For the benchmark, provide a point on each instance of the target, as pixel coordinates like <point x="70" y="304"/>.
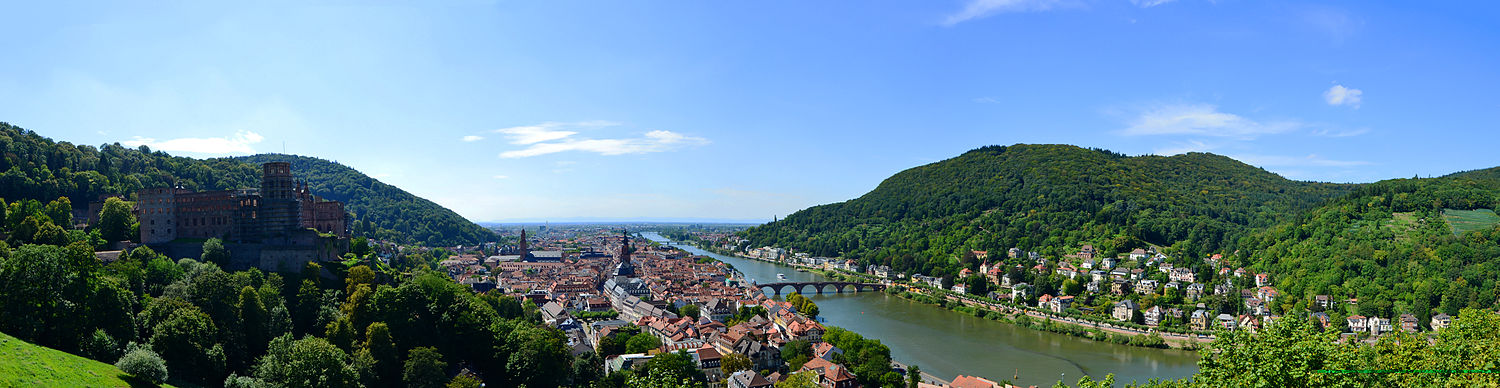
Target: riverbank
<point x="948" y="344"/>
<point x="1021" y="316"/>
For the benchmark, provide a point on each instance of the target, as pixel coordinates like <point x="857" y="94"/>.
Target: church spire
<point x="524" y="253"/>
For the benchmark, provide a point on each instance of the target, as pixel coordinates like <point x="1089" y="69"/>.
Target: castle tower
<point x="279" y="207"/>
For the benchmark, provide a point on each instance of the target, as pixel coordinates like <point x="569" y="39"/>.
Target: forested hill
<point x="1418" y="246"/>
<point x="380" y="210"/>
<point x="36" y="167"/>
<point x="1049" y="198"/>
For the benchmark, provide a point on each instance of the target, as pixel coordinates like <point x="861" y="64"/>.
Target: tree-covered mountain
<point x="1418" y="246"/>
<point x="1048" y="198"/>
<point x="380" y="210"/>
<point x="38" y="168"/>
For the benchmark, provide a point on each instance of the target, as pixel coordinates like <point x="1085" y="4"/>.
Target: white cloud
<point x="976" y="9"/>
<point x="1295" y="161"/>
<point x="501" y="177"/>
<point x="987" y="100"/>
<point x="240" y="143"/>
<point x="1149" y="3"/>
<point x="473" y="138"/>
<point x="1340" y="95"/>
<point x="547" y="138"/>
<point x="1202" y="120"/>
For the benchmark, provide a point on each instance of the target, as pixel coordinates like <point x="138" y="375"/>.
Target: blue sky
<point x="509" y="111"/>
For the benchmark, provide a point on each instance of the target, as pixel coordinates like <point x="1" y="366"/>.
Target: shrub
<point x="144" y="364"/>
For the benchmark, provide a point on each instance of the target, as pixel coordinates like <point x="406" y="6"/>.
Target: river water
<point x="946" y="343"/>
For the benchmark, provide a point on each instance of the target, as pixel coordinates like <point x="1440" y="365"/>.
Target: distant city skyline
<point x="528" y="112"/>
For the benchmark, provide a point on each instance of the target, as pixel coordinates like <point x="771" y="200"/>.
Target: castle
<point x="275" y="225"/>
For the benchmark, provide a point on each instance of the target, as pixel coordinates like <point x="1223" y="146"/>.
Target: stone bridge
<point x="821" y="287"/>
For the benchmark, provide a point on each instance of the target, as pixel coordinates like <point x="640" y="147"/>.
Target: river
<point x="946" y="343"/>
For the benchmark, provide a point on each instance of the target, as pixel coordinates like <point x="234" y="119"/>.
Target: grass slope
<point x="24" y="364"/>
<point x="1465" y="221"/>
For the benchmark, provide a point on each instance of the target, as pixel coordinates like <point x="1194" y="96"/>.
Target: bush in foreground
<point x="144" y="364"/>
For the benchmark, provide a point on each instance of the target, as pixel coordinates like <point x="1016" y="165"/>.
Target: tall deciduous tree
<point x="116" y="220"/>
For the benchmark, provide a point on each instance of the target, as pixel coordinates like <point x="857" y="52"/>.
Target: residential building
<point x="1125" y="310"/>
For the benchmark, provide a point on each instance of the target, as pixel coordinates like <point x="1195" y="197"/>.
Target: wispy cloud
<point x="501" y="176"/>
<point x="550" y="138"/>
<point x="1332" y="132"/>
<point x="1310" y="160"/>
<point x="472" y="138"/>
<point x="1149" y="3"/>
<point x="1340" y="95"/>
<point x="987" y="100"/>
<point x="240" y="143"/>
<point x="976" y="9"/>
<point x="1202" y="120"/>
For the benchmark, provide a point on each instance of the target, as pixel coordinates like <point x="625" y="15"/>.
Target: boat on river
<point x="781" y="276"/>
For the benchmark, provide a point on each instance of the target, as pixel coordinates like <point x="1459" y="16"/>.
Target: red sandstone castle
<point x="277" y="211"/>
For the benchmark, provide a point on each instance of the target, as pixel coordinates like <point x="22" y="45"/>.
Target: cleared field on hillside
<point x="1464" y="221"/>
<point x="23" y="364"/>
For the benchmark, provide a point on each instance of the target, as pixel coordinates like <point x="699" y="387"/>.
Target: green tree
<point x="255" y="321"/>
<point x="804" y="379"/>
<point x="310" y="362"/>
<point x="424" y="368"/>
<point x="60" y="211"/>
<point x="215" y="252"/>
<point x="690" y="311"/>
<point x="642" y="343"/>
<point x="186" y="340"/>
<point x="464" y="381"/>
<point x="116" y="220"/>
<point x="735" y="362"/>
<point x="382" y="351"/>
<point x="144" y="364"/>
<point x="913" y="376"/>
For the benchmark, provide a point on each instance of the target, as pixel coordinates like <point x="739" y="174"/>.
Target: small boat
<point x="802" y="270"/>
<point x="781" y="276"/>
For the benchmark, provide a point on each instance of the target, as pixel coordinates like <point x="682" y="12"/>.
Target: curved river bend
<point x="945" y="343"/>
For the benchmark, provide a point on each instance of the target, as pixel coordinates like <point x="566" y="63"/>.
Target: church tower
<point x="524" y="252"/>
<point x="626" y="268"/>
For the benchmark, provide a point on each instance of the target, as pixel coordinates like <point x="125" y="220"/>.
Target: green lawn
<point x="1464" y="221"/>
<point x="26" y="365"/>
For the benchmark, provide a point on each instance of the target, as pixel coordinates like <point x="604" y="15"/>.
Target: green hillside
<point x="1390" y="245"/>
<point x="1049" y="198"/>
<point x="36" y="167"/>
<point x="25" y="364"/>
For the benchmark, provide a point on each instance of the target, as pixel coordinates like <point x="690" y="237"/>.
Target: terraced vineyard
<point x="1465" y="221"/>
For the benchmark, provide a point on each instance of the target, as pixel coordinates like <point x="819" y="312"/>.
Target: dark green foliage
<point x="186" y="340"/>
<point x="1052" y="198"/>
<point x="214" y="252"/>
<point x="310" y="362"/>
<point x="867" y="358"/>
<point x="424" y="368"/>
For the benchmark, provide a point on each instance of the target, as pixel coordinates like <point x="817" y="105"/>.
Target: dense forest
<point x="1389" y="245"/>
<point x="38" y="168"/>
<point x="1047" y="198"/>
